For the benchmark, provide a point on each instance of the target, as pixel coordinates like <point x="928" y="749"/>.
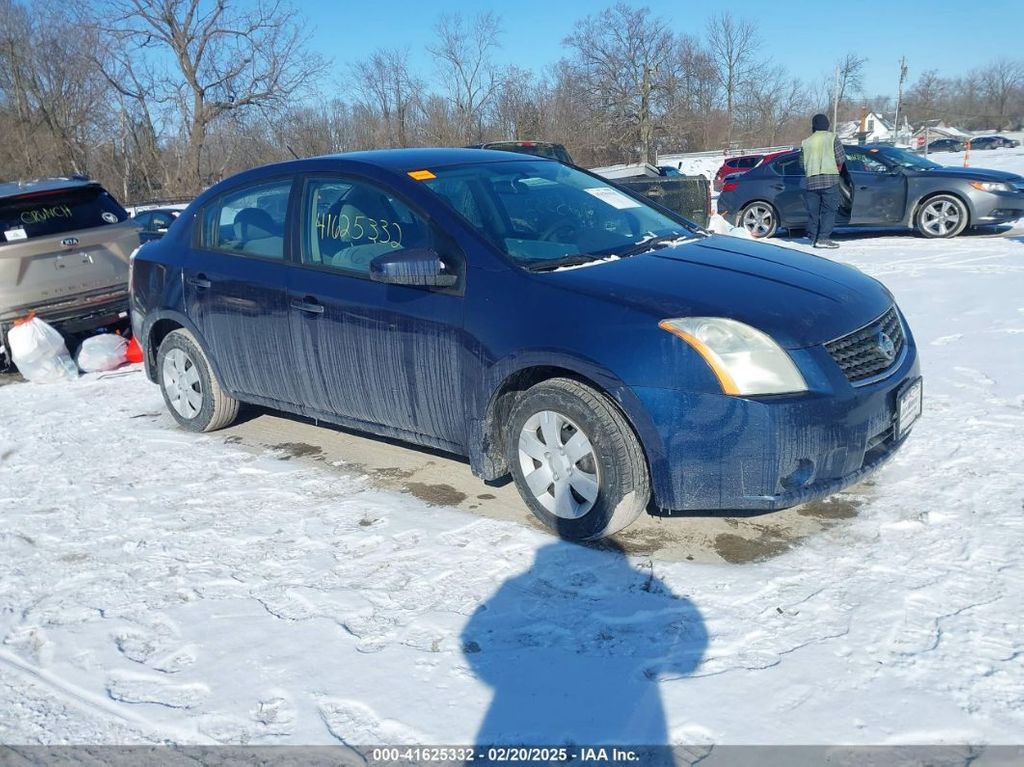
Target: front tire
<point x="941" y="216"/>
<point x="191" y="391"/>
<point x="575" y="460"/>
<point x="759" y="219"/>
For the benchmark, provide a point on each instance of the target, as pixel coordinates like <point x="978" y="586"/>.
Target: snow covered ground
<point x="161" y="586"/>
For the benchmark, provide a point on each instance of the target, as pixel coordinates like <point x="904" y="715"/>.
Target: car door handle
<point x="308" y="305"/>
<point x="200" y="281"/>
<point x="779" y="187"/>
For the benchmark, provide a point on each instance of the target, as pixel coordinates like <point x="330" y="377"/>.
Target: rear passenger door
<point x="235" y="290"/>
<point x="789" y="188"/>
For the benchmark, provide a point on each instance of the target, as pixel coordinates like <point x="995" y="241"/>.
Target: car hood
<point x="971" y="174"/>
<point x="798" y="299"/>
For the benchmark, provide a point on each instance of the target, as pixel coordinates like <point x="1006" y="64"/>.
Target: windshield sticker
<point x="421" y="175"/>
<point x="39" y="215"/>
<point x="110" y="218"/>
<point x="613" y="197"/>
<point x="17" y="233"/>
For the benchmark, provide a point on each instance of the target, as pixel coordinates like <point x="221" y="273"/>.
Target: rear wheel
<point x="191" y="390"/>
<point x="759" y="219"/>
<point x="941" y="216"/>
<point x="576" y="461"/>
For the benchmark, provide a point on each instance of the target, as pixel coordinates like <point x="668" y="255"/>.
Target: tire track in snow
<point x="93" y="704"/>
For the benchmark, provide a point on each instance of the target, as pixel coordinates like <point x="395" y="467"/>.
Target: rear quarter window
<point x="41" y="215"/>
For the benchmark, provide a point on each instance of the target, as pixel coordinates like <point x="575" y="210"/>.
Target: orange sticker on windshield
<point x="421" y="175"/>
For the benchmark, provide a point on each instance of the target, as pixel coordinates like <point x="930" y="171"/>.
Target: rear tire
<point x="191" y="391"/>
<point x="760" y="219"/>
<point x="941" y="216"/>
<point x="576" y="461"/>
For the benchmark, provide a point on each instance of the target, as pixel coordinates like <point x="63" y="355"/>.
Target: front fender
<point x="504" y="378"/>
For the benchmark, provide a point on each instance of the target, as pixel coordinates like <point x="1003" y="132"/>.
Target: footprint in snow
<point x="140" y="688"/>
<point x="152" y="651"/>
<point x="352" y="722"/>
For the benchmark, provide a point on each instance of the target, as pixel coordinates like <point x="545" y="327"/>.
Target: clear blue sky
<point x="805" y="37"/>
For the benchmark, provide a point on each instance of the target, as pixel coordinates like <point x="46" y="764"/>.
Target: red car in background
<point x="741" y="164"/>
<point x="738" y="164"/>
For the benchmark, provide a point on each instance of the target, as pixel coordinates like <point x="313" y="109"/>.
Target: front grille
<point x="860" y="354"/>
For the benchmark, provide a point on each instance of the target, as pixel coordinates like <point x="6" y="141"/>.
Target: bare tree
<point x="464" y="57"/>
<point x="54" y="98"/>
<point x="849" y="80"/>
<point x="693" y="111"/>
<point x="208" y="60"/>
<point x="386" y="87"/>
<point x="769" y="105"/>
<point x="516" y="114"/>
<point x="1001" y="83"/>
<point x="625" y="58"/>
<point x="733" y="46"/>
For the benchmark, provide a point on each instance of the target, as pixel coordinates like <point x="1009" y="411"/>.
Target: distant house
<point x="878" y="129"/>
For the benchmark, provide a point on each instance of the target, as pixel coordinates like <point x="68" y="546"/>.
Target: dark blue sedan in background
<point x="883" y="187"/>
<point x="607" y="354"/>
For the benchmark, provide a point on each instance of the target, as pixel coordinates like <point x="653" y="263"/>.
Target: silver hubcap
<point x="182" y="383"/>
<point x="941" y="217"/>
<point x="558" y="464"/>
<point x="758" y="220"/>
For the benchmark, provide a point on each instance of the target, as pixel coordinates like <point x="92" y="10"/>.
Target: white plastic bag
<point x="38" y="351"/>
<point x="103" y="352"/>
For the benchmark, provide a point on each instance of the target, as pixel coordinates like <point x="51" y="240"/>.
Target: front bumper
<point x="996" y="207"/>
<point x="721" y="453"/>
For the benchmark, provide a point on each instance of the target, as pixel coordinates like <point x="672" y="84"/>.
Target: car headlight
<point x="991" y="186"/>
<point x="745" y="360"/>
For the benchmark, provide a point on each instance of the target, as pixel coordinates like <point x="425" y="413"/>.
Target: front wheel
<point x="941" y="216"/>
<point x="576" y="461"/>
<point x="759" y="219"/>
<point x="191" y="390"/>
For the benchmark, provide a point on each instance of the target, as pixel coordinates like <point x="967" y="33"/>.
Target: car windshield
<point x="543" y="214"/>
<point x="907" y="159"/>
<point x="41" y="214"/>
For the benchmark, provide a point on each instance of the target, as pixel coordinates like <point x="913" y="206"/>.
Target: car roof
<point x="431" y="157"/>
<point x="17" y="188"/>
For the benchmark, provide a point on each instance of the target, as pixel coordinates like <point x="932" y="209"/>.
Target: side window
<point x="248" y="221"/>
<point x="789" y="165"/>
<point x="347" y="223"/>
<point x="860" y="161"/>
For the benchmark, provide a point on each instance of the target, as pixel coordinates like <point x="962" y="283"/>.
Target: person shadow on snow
<point x="575" y="647"/>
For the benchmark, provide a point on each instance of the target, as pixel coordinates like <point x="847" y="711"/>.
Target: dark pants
<point x="822" y="205"/>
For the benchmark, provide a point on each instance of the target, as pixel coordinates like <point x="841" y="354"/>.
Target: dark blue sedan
<point x="882" y="187"/>
<point x="607" y="354"/>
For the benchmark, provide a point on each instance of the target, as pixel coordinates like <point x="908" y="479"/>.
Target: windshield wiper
<point x="548" y="266"/>
<point x="653" y="243"/>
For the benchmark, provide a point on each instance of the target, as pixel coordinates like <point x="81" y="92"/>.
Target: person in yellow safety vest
<point x="822" y="157"/>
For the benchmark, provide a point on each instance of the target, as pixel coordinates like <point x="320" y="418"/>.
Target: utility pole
<point x="646" y="133"/>
<point x="899" y="96"/>
<point x="835" y="100"/>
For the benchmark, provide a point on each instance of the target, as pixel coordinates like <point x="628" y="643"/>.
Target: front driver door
<point x="880" y="190"/>
<point x="381" y="354"/>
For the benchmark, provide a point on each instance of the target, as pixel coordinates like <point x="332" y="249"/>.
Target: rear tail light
<point x="728" y="186"/>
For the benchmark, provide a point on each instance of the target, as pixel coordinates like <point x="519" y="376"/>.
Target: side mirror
<point x="416" y="266"/>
